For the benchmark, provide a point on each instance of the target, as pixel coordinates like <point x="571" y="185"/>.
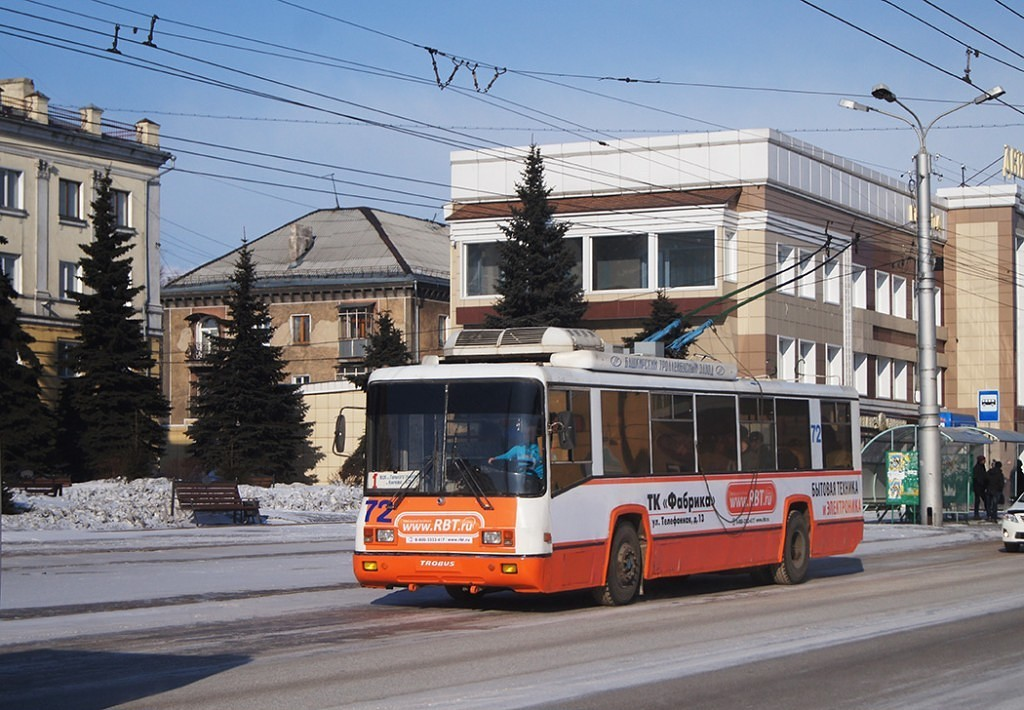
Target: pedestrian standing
<point x="996" y="481"/>
<point x="979" y="480"/>
<point x="1018" y="479"/>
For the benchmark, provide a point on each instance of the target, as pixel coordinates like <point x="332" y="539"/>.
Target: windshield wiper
<point x="469" y="476"/>
<point x="402" y="492"/>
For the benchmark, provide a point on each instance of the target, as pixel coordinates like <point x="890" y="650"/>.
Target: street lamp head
<point x="993" y="93"/>
<point x="853" y="105"/>
<point x="883" y="93"/>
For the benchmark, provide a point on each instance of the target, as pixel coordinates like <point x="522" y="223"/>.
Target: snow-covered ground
<point x="146" y="504"/>
<point x="104" y="506"/>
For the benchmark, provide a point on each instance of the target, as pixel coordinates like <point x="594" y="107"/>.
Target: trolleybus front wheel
<point x="625" y="569"/>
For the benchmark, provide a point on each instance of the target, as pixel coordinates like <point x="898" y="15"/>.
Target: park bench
<point x="49" y="485"/>
<point x="215" y="498"/>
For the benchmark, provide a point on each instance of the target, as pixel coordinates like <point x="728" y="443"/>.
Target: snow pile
<point x="146" y="503"/>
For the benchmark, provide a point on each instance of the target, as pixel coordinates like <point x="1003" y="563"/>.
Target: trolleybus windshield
<point x="478" y="438"/>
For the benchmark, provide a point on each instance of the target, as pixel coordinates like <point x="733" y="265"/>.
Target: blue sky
<point x="363" y="103"/>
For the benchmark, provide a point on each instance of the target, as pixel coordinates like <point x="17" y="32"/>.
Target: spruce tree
<point x="113" y="410"/>
<point x="384" y="348"/>
<point x="663" y="312"/>
<point x="249" y="421"/>
<point x="536" y="285"/>
<point x="26" y="424"/>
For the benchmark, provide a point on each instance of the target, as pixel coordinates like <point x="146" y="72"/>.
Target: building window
<point x="786" y="359"/>
<point x="350" y="370"/>
<point x="859" y="281"/>
<point x="806" y="285"/>
<point x="482" y="269"/>
<point x="9" y="268"/>
<point x="120" y="201"/>
<point x="686" y="259"/>
<point x="899" y="296"/>
<point x="70" y="200"/>
<point x="808" y="365"/>
<point x="785" y="260"/>
<point x="938" y="306"/>
<point x="301" y="329"/>
<point x="860" y="373"/>
<point x="833" y="365"/>
<point x="10" y="189"/>
<point x="575" y="246"/>
<point x="356" y="324"/>
<point x="620" y="262"/>
<point x="830" y="283"/>
<point x="70" y="280"/>
<point x="883" y="378"/>
<point x="300" y="379"/>
<point x="442" y="330"/>
<point x="65" y="367"/>
<point x="883" y="292"/>
<point x="206" y="330"/>
<point x="899" y="379"/>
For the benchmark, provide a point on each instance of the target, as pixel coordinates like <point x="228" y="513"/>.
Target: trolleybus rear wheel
<point x="796" y="551"/>
<point x="625" y="569"/>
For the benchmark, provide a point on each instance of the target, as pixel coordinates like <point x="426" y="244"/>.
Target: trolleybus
<point x="539" y="460"/>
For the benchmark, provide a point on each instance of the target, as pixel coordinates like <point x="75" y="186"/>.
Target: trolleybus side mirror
<point x="565" y="429"/>
<point x="339" y="434"/>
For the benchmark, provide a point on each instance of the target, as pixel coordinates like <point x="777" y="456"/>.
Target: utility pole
<point x="929" y="451"/>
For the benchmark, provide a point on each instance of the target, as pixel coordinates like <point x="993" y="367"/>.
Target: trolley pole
<point x="929" y="451"/>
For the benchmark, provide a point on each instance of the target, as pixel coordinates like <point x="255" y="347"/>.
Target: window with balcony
<point x="686" y="259"/>
<point x="10" y="189"/>
<point x="69" y="200"/>
<point x="206" y="330"/>
<point x="620" y="262"/>
<point x="301" y="326"/>
<point x="356" y="325"/>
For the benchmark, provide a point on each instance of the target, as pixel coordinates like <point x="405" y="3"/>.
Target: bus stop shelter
<point x="889" y="467"/>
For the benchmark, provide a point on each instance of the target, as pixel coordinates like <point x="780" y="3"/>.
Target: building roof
<point x="351" y="245"/>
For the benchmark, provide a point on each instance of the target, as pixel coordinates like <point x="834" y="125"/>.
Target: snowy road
<point x="147" y="620"/>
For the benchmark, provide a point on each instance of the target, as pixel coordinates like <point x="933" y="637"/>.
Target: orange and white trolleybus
<point x="539" y="460"/>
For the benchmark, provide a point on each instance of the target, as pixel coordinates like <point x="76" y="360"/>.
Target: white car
<point x="1013" y="526"/>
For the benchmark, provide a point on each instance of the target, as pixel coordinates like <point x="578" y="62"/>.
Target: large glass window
<point x="69" y="205"/>
<point x="625" y="433"/>
<point x="793" y="427"/>
<point x="482" y="269"/>
<point x="757" y="434"/>
<point x="672" y="433"/>
<point x="355" y="324"/>
<point x="10" y="189"/>
<point x="716" y="433"/>
<point x="475" y="438"/>
<point x="620" y="262"/>
<point x="571" y="438"/>
<point x="836" y="438"/>
<point x="686" y="259"/>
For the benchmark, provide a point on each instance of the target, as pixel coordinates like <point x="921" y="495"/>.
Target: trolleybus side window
<point x="716" y="433"/>
<point x="793" y="422"/>
<point x="625" y="433"/>
<point x="672" y="433"/>
<point x="836" y="444"/>
<point x="569" y="425"/>
<point x="757" y="433"/>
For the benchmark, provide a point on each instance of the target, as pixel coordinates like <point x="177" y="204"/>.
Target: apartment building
<point x="326" y="277"/>
<point x="49" y="159"/>
<point x="803" y="260"/>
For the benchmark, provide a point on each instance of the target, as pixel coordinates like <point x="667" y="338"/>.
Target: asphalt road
<point x="913" y="628"/>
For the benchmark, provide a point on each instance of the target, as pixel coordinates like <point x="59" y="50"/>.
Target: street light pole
<point x="929" y="452"/>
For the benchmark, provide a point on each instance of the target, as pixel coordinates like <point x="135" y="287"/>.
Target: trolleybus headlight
<point x="492" y="537"/>
<point x="385" y="534"/>
<point x="509" y="568"/>
<point x="369" y="565"/>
